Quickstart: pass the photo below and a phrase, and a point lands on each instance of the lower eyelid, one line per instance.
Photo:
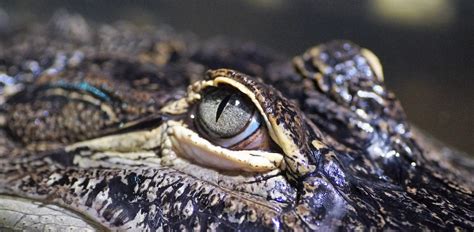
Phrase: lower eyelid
(253, 126)
(260, 140)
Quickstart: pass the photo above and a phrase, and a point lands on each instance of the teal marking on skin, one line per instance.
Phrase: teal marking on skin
(83, 86)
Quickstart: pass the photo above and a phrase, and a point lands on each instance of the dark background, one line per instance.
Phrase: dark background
(425, 46)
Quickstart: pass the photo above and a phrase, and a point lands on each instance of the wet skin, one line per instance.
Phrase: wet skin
(120, 125)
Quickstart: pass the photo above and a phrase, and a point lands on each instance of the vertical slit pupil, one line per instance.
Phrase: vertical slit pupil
(221, 106)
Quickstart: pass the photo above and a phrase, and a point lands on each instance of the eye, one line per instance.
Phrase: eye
(228, 118)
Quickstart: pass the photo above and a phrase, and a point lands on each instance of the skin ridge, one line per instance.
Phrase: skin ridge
(357, 163)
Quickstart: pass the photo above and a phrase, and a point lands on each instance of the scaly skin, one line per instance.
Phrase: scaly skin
(350, 159)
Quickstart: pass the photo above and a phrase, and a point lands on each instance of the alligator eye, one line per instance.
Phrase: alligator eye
(228, 118)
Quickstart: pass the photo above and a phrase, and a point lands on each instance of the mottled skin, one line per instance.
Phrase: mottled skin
(351, 160)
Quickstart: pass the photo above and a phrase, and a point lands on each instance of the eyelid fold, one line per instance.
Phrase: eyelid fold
(282, 119)
(274, 110)
(191, 145)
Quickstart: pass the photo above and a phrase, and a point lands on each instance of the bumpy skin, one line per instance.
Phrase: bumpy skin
(358, 163)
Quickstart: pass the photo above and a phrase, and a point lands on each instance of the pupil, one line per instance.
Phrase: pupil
(224, 112)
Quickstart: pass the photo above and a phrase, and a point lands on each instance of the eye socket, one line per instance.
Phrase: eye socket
(227, 117)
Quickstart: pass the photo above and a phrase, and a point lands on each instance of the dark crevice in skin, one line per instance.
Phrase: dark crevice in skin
(122, 195)
(348, 185)
(64, 158)
(92, 195)
(144, 123)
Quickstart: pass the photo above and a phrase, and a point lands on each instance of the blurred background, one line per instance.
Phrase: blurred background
(426, 46)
